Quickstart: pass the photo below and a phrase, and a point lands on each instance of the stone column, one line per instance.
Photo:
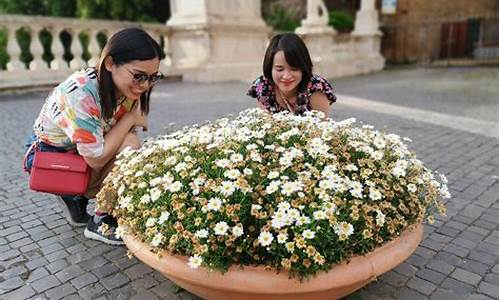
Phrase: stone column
(366, 38)
(217, 40)
(319, 38)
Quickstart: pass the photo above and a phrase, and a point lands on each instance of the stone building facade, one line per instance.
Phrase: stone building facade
(424, 31)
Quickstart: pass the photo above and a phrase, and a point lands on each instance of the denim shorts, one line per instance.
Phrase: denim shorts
(41, 147)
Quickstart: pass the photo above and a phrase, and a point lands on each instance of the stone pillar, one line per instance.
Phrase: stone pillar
(319, 38)
(217, 40)
(366, 38)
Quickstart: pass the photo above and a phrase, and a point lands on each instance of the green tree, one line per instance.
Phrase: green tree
(131, 10)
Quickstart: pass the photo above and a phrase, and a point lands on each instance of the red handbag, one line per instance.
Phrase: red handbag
(60, 173)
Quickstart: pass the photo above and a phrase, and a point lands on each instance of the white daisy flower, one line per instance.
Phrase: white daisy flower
(151, 222)
(308, 234)
(201, 233)
(227, 188)
(163, 217)
(157, 240)
(282, 237)
(237, 231)
(221, 228)
(214, 204)
(195, 261)
(265, 238)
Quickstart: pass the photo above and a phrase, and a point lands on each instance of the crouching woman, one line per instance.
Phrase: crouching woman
(96, 111)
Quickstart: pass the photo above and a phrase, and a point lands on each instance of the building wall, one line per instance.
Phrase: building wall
(413, 34)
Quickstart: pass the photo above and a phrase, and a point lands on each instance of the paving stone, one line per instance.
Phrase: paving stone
(448, 231)
(457, 250)
(20, 271)
(93, 263)
(474, 266)
(449, 258)
(478, 297)
(22, 242)
(24, 292)
(114, 281)
(137, 271)
(457, 287)
(491, 278)
(394, 279)
(11, 284)
(406, 269)
(92, 291)
(144, 295)
(464, 243)
(482, 257)
(421, 286)
(29, 247)
(146, 282)
(487, 248)
(431, 276)
(445, 294)
(489, 289)
(406, 293)
(37, 274)
(33, 264)
(69, 273)
(57, 255)
(84, 280)
(165, 290)
(45, 283)
(57, 266)
(60, 291)
(105, 270)
(124, 292)
(485, 224)
(10, 230)
(72, 297)
(6, 255)
(466, 276)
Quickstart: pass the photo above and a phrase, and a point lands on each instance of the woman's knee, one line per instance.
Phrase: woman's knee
(131, 140)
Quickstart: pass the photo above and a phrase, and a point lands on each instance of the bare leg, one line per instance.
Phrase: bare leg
(98, 175)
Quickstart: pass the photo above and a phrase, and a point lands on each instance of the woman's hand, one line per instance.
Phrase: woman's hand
(320, 102)
(139, 119)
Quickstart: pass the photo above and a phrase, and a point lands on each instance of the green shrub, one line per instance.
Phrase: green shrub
(341, 20)
(4, 58)
(281, 19)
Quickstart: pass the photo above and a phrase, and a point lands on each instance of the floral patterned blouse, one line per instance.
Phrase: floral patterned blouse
(263, 90)
(71, 115)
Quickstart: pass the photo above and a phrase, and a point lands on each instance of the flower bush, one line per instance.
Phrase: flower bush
(296, 194)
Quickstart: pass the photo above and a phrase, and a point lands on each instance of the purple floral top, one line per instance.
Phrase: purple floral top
(263, 90)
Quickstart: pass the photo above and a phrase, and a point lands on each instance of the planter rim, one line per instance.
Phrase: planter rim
(360, 268)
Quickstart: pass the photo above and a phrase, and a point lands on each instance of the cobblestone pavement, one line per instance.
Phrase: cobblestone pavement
(43, 257)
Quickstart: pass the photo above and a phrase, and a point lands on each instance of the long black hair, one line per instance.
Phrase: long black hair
(124, 46)
(296, 55)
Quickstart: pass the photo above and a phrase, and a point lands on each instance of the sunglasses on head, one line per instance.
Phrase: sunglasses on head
(141, 78)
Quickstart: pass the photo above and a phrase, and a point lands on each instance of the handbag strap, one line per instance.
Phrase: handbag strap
(34, 145)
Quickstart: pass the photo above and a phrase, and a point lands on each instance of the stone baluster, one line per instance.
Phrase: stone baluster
(367, 19)
(58, 50)
(36, 49)
(167, 61)
(77, 50)
(94, 48)
(14, 51)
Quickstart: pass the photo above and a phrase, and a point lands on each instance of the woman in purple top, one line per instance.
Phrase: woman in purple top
(288, 83)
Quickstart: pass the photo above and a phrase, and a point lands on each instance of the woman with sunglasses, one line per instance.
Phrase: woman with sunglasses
(96, 112)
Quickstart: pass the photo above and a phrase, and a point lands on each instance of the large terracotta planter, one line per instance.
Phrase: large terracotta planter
(256, 283)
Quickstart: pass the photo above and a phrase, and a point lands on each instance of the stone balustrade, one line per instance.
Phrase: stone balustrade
(76, 31)
(203, 41)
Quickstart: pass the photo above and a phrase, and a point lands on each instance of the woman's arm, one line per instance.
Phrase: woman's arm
(262, 106)
(320, 102)
(114, 138)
